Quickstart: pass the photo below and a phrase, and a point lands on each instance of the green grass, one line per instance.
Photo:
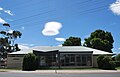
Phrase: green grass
(69, 69)
(2, 70)
(118, 68)
(7, 69)
(79, 68)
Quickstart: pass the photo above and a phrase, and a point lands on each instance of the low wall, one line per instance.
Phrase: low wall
(14, 61)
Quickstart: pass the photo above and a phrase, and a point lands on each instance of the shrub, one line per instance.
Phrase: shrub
(105, 62)
(117, 63)
(99, 61)
(117, 57)
(108, 63)
(30, 62)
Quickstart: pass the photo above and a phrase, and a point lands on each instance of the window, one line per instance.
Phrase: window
(84, 60)
(78, 59)
(48, 60)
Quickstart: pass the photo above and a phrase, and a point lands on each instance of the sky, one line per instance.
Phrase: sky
(50, 22)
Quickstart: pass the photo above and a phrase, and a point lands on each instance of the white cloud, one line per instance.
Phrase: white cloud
(115, 7)
(60, 45)
(23, 47)
(10, 31)
(9, 19)
(60, 39)
(51, 28)
(2, 20)
(25, 44)
(8, 12)
(119, 48)
(31, 45)
(82, 42)
(22, 28)
(1, 8)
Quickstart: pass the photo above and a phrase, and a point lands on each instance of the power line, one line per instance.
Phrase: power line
(27, 22)
(32, 10)
(28, 2)
(80, 13)
(35, 9)
(33, 15)
(40, 13)
(97, 9)
(91, 4)
(92, 10)
(95, 3)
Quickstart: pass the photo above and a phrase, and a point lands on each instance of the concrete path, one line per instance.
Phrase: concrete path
(63, 71)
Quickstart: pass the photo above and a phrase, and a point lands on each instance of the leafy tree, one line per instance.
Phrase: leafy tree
(7, 41)
(72, 41)
(13, 36)
(117, 57)
(101, 40)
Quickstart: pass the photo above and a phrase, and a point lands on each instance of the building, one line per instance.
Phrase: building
(56, 56)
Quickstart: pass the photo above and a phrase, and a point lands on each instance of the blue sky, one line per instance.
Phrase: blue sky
(34, 18)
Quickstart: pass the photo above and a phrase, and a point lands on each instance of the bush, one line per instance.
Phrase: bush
(30, 62)
(117, 63)
(99, 61)
(108, 63)
(117, 57)
(105, 62)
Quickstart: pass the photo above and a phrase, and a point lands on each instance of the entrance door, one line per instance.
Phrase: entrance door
(42, 61)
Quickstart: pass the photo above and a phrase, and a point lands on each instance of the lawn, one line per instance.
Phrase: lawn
(118, 68)
(6, 69)
(69, 69)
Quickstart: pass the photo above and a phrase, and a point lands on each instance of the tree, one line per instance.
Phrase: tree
(13, 36)
(101, 40)
(3, 47)
(30, 62)
(72, 41)
(7, 41)
(117, 57)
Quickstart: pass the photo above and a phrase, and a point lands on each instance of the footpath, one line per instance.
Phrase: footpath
(61, 71)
